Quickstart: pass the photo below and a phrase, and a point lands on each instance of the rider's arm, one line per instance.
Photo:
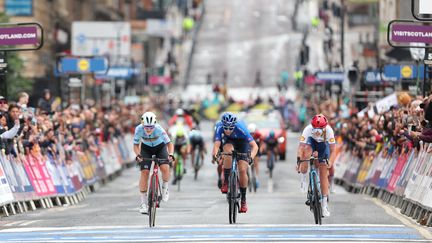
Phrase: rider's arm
(170, 147)
(137, 139)
(216, 147)
(254, 150)
(332, 158)
(217, 138)
(303, 141)
(332, 143)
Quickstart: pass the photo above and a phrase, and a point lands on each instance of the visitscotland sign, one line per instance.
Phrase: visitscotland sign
(411, 33)
(23, 35)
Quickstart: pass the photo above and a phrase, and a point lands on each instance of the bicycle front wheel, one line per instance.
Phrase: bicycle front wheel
(179, 172)
(153, 201)
(317, 209)
(233, 198)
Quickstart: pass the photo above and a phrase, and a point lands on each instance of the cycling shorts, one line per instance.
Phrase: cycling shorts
(199, 145)
(160, 151)
(322, 148)
(240, 145)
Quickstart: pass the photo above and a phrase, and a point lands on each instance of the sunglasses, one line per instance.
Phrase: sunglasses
(2, 102)
(228, 128)
(149, 127)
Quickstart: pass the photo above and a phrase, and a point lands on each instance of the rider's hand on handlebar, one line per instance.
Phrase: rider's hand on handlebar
(214, 159)
(171, 158)
(138, 158)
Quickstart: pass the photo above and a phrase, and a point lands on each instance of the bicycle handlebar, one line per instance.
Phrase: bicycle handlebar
(230, 154)
(155, 159)
(311, 158)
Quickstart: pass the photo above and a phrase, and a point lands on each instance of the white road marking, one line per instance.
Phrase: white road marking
(404, 219)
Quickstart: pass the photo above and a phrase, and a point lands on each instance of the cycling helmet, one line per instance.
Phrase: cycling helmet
(252, 128)
(148, 119)
(228, 119)
(319, 121)
(179, 112)
(272, 134)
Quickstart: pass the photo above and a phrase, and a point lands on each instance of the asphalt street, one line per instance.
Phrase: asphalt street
(199, 212)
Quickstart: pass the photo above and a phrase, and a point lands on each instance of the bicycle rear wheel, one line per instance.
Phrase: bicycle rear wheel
(197, 165)
(316, 201)
(270, 164)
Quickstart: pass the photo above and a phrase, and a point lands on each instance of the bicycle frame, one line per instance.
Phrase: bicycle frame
(314, 203)
(154, 191)
(314, 174)
(233, 194)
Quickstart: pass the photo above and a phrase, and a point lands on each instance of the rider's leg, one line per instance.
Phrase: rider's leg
(183, 152)
(143, 184)
(193, 156)
(165, 172)
(330, 178)
(243, 168)
(305, 153)
(323, 173)
(227, 161)
(256, 165)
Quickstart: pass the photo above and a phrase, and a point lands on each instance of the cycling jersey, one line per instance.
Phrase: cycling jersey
(319, 140)
(196, 139)
(318, 134)
(257, 137)
(239, 137)
(271, 142)
(157, 137)
(240, 132)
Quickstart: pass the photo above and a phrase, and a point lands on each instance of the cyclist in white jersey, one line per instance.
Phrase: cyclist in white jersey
(151, 139)
(318, 140)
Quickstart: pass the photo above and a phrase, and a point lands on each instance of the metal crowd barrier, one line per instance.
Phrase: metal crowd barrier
(400, 178)
(32, 181)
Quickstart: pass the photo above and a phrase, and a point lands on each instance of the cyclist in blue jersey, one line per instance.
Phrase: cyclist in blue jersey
(234, 135)
(151, 139)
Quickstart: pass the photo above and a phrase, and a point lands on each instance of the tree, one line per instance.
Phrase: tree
(15, 81)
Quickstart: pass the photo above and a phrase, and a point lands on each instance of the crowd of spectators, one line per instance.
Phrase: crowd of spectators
(77, 127)
(402, 126)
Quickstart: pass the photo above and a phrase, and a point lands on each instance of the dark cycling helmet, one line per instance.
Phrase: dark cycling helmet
(228, 119)
(272, 134)
(319, 121)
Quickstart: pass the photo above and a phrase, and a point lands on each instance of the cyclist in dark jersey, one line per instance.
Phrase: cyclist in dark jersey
(196, 141)
(233, 135)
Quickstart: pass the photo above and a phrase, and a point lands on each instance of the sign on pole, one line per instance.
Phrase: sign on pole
(77, 65)
(425, 7)
(404, 33)
(428, 57)
(21, 37)
(111, 39)
(337, 77)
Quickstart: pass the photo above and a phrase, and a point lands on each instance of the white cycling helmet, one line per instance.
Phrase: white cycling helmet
(252, 128)
(179, 112)
(148, 119)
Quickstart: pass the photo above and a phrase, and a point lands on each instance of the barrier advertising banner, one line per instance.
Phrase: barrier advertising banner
(39, 176)
(5, 191)
(397, 171)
